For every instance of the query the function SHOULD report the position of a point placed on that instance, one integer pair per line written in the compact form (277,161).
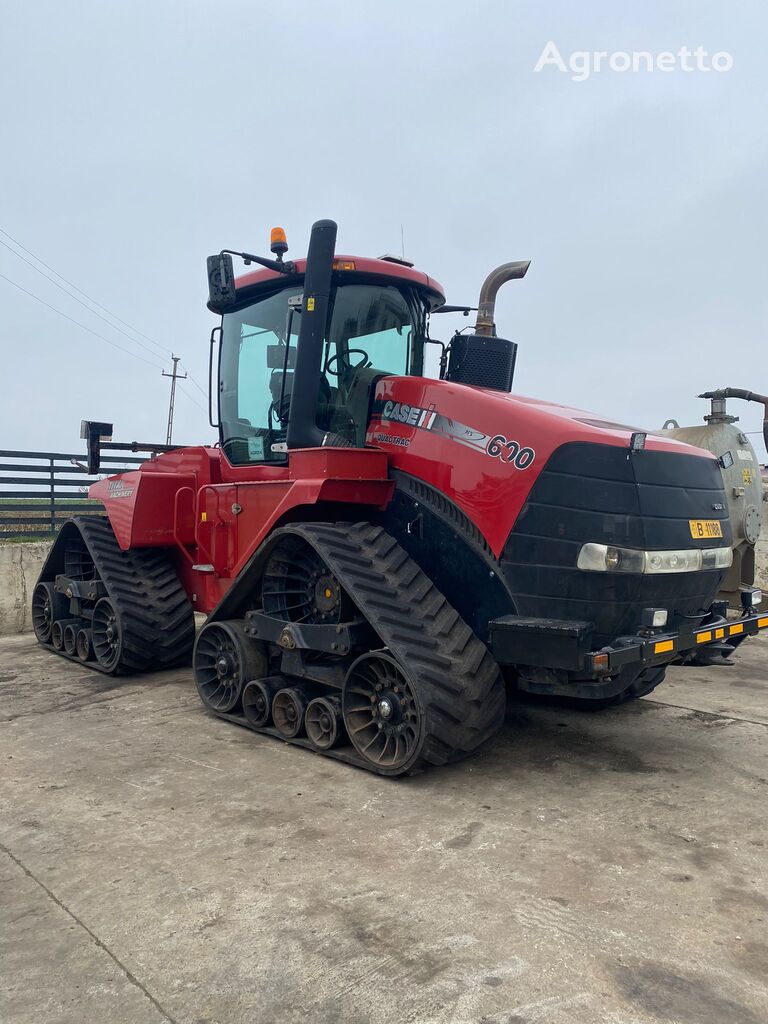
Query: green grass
(32,538)
(8,508)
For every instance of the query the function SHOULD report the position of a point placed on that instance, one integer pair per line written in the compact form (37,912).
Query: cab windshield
(372,333)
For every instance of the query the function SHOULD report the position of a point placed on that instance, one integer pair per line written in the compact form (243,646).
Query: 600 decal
(499,447)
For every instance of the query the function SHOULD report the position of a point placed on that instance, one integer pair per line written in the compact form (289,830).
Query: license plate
(703,529)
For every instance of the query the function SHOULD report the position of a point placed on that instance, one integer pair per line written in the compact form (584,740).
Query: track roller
(323,723)
(257,700)
(70,637)
(288,709)
(225,659)
(58,629)
(84,645)
(47,606)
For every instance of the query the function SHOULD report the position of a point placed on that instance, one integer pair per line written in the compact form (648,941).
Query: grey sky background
(139,137)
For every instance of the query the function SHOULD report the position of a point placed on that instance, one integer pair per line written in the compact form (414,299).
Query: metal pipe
(486,305)
(747,396)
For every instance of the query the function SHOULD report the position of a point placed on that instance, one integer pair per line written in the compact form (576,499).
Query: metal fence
(41,490)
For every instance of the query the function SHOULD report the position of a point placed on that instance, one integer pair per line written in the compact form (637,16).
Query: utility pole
(174,377)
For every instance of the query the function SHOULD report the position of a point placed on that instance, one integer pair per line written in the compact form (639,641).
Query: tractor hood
(485,449)
(548,487)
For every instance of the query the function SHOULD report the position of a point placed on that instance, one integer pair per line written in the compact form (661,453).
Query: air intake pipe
(748,396)
(303,431)
(486,305)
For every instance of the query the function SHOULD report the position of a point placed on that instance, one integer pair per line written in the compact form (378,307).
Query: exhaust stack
(303,431)
(486,306)
(482,359)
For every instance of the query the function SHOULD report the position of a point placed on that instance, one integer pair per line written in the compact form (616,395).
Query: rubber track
(459,684)
(156,618)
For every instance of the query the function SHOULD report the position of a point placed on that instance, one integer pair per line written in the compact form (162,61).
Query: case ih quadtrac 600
(378,551)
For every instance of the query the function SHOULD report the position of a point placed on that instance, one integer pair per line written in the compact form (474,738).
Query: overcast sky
(139,137)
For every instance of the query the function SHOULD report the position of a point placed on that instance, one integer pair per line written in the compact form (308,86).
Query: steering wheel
(364,362)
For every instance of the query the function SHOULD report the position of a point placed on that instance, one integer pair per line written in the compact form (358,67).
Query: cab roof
(354,269)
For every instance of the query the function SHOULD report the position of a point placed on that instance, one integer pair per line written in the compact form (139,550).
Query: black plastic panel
(599,493)
(447,545)
(551,643)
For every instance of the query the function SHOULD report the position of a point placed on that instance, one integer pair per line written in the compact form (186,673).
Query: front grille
(593,492)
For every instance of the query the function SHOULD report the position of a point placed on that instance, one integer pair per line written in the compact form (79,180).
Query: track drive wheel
(225,659)
(382,713)
(47,606)
(298,586)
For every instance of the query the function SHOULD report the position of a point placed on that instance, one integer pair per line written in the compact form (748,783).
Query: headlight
(605,558)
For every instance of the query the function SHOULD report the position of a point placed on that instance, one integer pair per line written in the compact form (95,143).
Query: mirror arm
(443,355)
(289,267)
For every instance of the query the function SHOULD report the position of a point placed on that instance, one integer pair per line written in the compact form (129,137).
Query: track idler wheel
(288,709)
(107,634)
(323,723)
(84,645)
(47,606)
(225,659)
(381,712)
(257,701)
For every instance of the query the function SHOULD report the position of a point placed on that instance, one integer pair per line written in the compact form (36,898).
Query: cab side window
(371,335)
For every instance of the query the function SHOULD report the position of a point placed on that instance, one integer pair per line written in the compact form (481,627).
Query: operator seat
(327,400)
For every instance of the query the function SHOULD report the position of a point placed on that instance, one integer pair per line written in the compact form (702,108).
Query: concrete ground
(161,865)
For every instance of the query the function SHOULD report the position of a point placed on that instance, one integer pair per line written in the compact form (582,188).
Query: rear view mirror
(221,282)
(94,433)
(276,357)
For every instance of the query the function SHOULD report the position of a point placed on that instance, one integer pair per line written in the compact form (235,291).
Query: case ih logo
(119,489)
(413,415)
(498,446)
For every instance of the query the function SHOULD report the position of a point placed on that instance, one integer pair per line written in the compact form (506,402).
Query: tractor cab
(302,344)
(374,329)
(374,325)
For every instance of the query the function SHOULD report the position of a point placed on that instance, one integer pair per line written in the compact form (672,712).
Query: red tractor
(379,553)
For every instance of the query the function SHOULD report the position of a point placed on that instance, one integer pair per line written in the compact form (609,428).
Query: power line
(77,322)
(80,291)
(97,335)
(192,380)
(83,304)
(192,399)
(93,302)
